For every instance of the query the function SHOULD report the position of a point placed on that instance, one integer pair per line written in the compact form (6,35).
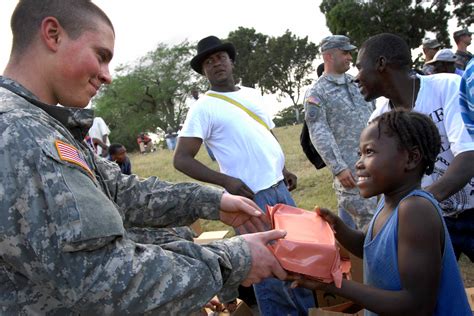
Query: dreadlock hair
(412,130)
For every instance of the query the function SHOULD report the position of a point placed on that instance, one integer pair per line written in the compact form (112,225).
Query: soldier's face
(83,65)
(368,78)
(341,60)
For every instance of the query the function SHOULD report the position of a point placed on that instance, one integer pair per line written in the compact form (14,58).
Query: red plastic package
(309,247)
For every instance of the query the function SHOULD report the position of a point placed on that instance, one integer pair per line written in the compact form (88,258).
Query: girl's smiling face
(382,163)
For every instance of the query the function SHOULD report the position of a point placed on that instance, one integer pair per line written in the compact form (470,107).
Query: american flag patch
(314,100)
(70,154)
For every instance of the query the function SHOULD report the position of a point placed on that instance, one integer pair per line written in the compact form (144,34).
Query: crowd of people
(81,234)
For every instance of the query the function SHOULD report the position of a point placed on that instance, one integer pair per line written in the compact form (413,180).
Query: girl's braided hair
(412,130)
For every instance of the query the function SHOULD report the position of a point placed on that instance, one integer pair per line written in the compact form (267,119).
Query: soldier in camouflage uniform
(336,113)
(68,217)
(463,39)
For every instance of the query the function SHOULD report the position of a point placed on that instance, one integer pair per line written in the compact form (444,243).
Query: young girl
(409,263)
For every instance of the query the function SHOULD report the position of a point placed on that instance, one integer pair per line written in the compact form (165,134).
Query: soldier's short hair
(75,16)
(391,46)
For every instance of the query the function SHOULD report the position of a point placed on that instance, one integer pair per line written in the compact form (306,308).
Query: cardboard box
(208,237)
(344,309)
(470,297)
(241,310)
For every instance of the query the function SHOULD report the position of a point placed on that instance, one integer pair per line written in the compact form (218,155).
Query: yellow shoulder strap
(237,104)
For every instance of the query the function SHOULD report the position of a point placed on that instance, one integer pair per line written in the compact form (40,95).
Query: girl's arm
(351,239)
(420,239)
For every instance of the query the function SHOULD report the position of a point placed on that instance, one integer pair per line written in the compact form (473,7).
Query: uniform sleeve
(320,133)
(456,130)
(152,202)
(65,242)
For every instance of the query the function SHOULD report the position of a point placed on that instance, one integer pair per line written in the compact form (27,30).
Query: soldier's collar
(338,79)
(77,121)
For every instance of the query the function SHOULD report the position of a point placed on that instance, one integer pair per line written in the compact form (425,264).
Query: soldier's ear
(51,33)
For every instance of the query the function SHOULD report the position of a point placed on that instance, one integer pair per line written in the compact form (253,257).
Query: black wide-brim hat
(208,46)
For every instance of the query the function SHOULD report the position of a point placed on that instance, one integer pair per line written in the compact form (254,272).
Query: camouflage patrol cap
(336,41)
(430,43)
(462,32)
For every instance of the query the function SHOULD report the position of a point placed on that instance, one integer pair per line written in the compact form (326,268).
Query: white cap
(443,55)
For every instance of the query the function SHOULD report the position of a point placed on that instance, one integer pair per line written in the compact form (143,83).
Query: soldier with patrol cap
(430,47)
(463,40)
(336,113)
(67,216)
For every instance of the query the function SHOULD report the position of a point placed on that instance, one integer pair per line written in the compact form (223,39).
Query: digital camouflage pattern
(336,113)
(66,236)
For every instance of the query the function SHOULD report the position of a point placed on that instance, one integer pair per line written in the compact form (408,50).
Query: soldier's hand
(264,263)
(290,180)
(346,178)
(238,187)
(243,214)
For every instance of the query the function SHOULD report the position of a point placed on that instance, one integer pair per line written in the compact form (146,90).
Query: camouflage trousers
(360,209)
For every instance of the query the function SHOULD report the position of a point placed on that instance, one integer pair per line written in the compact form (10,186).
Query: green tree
(251,58)
(290,64)
(148,95)
(287,116)
(409,19)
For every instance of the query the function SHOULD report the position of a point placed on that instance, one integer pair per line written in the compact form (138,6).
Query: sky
(141,24)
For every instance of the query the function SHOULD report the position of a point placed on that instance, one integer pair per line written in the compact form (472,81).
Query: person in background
(384,63)
(336,113)
(171,138)
(145,143)
(118,154)
(463,40)
(99,130)
(444,61)
(430,48)
(234,123)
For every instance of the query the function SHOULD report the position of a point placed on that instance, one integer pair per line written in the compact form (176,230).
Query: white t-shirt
(243,148)
(98,130)
(439,99)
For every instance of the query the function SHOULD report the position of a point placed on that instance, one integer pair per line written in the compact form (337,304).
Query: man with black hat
(430,48)
(463,40)
(231,120)
(336,113)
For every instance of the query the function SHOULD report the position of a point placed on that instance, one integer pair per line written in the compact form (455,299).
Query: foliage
(286,116)
(409,19)
(275,64)
(251,57)
(148,95)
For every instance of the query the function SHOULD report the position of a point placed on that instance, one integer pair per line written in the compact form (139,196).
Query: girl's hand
(300,281)
(328,216)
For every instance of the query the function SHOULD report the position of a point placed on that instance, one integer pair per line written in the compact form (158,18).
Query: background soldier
(336,113)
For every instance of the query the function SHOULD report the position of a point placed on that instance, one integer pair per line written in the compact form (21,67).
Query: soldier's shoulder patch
(312,99)
(69,153)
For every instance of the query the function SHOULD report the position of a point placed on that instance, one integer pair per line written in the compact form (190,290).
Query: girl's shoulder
(420,213)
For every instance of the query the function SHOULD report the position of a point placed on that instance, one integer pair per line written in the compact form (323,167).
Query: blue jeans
(171,143)
(274,297)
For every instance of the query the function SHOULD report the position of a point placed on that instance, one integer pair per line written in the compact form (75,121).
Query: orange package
(309,247)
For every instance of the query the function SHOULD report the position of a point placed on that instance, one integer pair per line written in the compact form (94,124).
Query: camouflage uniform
(462,58)
(64,242)
(336,113)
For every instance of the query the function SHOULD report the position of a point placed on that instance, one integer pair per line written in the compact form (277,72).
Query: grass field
(314,186)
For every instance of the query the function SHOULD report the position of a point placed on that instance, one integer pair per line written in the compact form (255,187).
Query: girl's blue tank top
(381,263)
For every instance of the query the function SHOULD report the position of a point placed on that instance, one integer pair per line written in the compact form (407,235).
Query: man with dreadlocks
(384,64)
